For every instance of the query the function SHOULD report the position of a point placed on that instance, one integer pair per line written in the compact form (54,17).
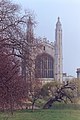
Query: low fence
(66,106)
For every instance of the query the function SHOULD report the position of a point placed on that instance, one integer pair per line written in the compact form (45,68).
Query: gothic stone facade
(49,60)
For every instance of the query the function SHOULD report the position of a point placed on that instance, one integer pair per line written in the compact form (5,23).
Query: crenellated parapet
(44,40)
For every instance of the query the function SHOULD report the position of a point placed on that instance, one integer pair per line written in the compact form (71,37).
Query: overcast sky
(47,12)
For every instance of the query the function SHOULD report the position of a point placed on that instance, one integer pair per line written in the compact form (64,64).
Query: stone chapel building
(49,62)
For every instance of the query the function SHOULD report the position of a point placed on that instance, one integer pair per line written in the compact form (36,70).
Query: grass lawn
(43,115)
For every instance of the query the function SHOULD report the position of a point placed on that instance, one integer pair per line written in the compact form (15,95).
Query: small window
(44,47)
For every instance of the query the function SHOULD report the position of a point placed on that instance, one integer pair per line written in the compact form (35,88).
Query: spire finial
(58,18)
(58,24)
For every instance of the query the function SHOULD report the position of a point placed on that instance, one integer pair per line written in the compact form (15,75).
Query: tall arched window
(44,66)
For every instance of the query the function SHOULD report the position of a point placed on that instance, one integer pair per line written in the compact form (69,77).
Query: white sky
(47,12)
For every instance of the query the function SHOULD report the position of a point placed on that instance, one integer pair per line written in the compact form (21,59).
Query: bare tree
(17,36)
(12,88)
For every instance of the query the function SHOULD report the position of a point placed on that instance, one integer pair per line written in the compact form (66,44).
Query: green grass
(43,115)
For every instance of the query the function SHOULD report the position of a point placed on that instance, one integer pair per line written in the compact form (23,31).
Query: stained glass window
(44,66)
